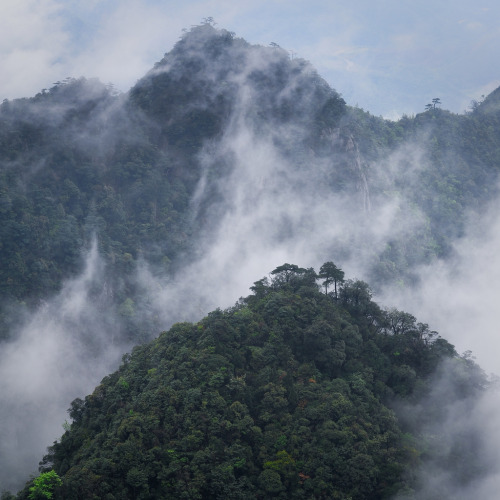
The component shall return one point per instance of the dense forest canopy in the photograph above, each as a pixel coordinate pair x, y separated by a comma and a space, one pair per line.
121, 214
291, 393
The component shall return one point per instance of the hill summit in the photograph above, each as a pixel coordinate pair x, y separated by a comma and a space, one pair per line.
291, 393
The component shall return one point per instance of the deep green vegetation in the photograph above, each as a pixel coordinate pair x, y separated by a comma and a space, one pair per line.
288, 394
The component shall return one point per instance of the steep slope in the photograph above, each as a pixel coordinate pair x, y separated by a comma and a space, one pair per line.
79, 161
285, 395
216, 126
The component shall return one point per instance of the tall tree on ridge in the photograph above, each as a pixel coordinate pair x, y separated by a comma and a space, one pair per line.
332, 274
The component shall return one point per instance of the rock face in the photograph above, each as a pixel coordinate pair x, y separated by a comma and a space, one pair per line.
348, 158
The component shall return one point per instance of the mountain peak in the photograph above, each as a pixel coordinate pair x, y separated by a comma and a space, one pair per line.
211, 71
492, 102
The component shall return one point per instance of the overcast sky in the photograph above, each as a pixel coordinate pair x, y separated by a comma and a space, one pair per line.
387, 56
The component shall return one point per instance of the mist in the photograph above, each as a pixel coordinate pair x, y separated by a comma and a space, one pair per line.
460, 295
60, 353
459, 298
277, 202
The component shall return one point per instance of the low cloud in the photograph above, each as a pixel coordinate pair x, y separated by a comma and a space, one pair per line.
460, 295
60, 353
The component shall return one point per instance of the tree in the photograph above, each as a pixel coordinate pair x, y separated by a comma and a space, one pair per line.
436, 101
44, 485
400, 322
357, 294
332, 274
261, 287
208, 20
286, 271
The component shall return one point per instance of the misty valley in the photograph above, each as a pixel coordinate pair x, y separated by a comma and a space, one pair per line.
135, 363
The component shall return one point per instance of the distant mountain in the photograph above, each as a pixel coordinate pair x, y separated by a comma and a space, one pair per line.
288, 394
146, 171
78, 160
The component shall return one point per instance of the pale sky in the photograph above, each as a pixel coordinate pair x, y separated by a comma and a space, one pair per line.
389, 57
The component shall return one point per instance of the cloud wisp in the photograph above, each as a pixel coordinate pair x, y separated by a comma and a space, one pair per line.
60, 352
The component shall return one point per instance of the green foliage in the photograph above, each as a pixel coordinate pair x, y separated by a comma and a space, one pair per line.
287, 394
44, 486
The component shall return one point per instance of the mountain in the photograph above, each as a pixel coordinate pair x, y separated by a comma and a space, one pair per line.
291, 393
122, 214
148, 172
79, 160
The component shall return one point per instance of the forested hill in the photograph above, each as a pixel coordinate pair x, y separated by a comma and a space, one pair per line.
291, 393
